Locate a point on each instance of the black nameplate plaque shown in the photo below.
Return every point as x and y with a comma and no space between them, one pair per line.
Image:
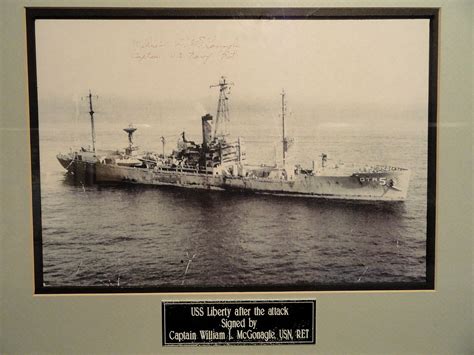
239,322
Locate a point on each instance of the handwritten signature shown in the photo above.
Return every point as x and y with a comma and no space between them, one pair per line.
202,49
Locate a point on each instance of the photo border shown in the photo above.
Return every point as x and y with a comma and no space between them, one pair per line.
41,13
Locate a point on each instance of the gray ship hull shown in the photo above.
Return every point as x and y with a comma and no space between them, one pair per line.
114,173
329,187
367,186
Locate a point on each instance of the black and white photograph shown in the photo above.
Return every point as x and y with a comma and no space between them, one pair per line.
232,154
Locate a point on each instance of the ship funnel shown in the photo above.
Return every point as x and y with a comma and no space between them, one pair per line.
206,129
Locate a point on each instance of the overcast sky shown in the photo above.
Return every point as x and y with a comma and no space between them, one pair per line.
319,62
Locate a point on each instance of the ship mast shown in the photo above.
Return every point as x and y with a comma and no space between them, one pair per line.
163,142
283,112
222,116
91,113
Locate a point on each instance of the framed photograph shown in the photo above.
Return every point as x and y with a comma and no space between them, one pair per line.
189,150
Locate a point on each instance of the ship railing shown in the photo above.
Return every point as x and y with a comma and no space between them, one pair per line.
379,169
183,169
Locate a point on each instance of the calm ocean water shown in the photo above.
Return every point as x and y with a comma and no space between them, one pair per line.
138,236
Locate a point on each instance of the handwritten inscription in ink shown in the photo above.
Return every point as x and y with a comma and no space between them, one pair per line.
202,49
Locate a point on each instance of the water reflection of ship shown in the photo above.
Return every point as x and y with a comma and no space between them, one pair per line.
220,163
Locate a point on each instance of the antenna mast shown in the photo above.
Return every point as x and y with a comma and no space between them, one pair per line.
283,112
130,130
222,116
91,112
163,141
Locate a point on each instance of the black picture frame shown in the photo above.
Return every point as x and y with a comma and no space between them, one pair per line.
432,14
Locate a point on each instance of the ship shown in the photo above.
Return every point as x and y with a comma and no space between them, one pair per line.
219,163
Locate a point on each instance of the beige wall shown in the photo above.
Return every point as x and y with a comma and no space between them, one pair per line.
361,322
